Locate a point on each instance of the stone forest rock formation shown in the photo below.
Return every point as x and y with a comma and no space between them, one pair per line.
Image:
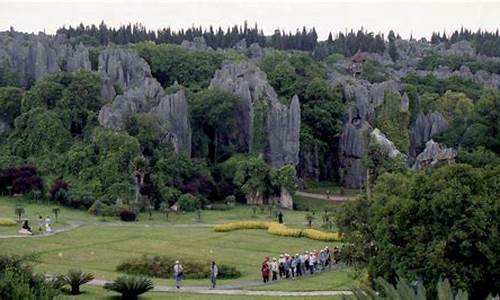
142,93
280,122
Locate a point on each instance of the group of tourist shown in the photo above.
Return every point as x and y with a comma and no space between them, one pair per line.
291,266
44,226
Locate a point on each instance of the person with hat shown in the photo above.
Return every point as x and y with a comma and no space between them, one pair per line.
287,265
293,265
178,274
281,264
264,269
274,269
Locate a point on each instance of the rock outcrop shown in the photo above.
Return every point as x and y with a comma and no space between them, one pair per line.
139,92
198,43
423,129
282,122
32,56
379,138
434,154
354,140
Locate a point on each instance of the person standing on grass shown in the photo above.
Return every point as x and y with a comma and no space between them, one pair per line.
274,269
214,271
264,269
280,217
40,224
178,274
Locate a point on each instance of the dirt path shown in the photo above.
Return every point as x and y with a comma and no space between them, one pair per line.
233,290
324,197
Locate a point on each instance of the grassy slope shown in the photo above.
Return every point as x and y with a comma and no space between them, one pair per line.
100,246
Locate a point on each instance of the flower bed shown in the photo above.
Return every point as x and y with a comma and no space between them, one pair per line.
280,230
7,222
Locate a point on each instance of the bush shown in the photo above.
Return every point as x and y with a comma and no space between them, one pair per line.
130,286
188,202
75,278
242,225
20,180
17,281
162,266
128,215
58,185
7,222
280,230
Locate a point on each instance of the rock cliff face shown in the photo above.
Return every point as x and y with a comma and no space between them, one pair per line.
130,74
282,122
423,129
32,56
379,138
434,154
364,98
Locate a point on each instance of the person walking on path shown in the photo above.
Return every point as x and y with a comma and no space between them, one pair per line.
178,274
274,269
293,265
299,258
48,225
265,270
214,271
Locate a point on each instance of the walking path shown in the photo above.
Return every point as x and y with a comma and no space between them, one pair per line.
232,290
71,226
324,197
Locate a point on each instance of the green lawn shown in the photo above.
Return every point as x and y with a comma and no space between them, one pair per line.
99,246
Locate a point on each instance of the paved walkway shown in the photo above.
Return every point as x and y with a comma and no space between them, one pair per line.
70,226
231,290
324,197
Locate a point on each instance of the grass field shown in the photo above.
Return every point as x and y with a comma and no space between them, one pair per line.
99,246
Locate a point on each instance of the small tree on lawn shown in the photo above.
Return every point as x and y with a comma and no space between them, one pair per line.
56,211
19,211
165,209
150,209
309,219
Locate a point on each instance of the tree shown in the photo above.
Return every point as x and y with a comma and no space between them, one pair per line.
444,221
56,211
250,177
139,168
39,132
165,209
10,104
19,211
284,177
393,51
148,130
212,112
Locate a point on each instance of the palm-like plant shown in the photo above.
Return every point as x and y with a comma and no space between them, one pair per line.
130,286
19,211
56,211
404,290
74,278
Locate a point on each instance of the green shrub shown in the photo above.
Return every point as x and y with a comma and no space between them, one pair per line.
162,266
130,286
74,278
188,202
17,281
